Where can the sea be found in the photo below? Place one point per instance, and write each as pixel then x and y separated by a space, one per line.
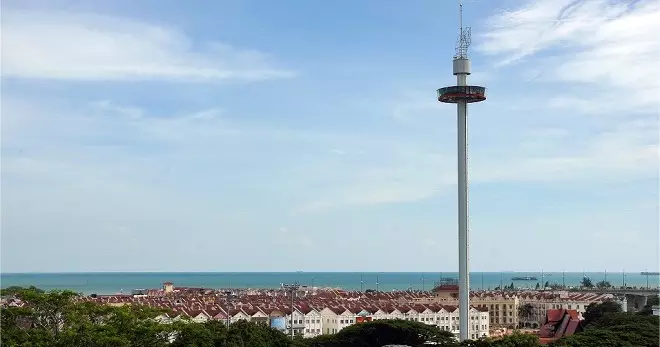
pixel 124 282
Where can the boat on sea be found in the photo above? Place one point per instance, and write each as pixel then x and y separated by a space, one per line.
pixel 649 273
pixel 524 278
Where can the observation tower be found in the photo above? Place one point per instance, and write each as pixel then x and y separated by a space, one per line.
pixel 462 94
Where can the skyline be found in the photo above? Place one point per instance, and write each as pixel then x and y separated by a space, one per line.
pixel 214 136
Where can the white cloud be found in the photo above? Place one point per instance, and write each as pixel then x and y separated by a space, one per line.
pixel 608 47
pixel 137 147
pixel 626 151
pixel 297 240
pixel 69 46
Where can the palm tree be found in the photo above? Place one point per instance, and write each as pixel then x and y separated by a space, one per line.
pixel 525 311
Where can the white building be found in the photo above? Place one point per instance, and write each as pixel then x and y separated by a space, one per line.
pixel 237 315
pixel 298 322
pixel 445 317
pixel 313 321
pixel 336 318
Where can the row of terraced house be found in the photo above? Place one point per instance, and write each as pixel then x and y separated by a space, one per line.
pixel 316 311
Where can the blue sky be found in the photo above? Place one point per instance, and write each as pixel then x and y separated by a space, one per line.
pixel 305 135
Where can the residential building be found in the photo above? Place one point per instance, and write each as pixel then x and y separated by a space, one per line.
pixel 559 323
pixel 313 325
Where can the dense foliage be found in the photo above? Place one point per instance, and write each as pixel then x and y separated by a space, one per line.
pixel 608 326
pixel 384 332
pixel 595 311
pixel 515 340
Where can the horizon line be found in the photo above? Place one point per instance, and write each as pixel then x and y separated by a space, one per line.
pixel 299 271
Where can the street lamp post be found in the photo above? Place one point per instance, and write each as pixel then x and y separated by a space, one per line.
pixel 291 288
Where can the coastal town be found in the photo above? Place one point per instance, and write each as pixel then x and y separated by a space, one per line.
pixel 312 311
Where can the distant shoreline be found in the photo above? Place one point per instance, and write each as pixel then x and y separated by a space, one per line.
pixel 125 282
pixel 550 273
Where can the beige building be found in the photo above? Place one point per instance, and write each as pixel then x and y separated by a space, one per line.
pixel 502 306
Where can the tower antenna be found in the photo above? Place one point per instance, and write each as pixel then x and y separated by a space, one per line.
pixel 460 14
pixel 464 35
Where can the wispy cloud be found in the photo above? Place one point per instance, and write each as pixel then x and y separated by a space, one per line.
pixel 607 46
pixel 70 46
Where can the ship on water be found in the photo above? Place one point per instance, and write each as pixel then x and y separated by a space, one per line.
pixel 649 273
pixel 524 278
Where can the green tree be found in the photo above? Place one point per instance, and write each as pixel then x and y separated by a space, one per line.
pixel 546 285
pixel 616 329
pixel 586 282
pixel 384 332
pixel 651 301
pixel 603 285
pixel 55 319
pixel 525 311
pixel 538 285
pixel 591 338
pixel 16 290
pixel 515 340
pixel 595 311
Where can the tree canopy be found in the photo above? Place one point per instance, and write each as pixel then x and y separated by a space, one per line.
pixel 586 282
pixel 608 326
pixel 596 311
pixel 515 340
pixel 603 284
pixel 384 332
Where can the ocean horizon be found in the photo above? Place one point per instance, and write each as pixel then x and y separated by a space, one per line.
pixel 123 282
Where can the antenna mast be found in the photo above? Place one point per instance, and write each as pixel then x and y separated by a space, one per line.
pixel 464 35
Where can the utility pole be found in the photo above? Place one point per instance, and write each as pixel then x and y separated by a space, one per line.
pixel 292 289
pixel 377 285
pixel 228 298
pixel 423 282
pixel 361 284
pixel 623 279
pixel 542 283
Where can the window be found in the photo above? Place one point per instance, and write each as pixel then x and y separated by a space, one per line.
pixel 569 307
pixel 341 321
